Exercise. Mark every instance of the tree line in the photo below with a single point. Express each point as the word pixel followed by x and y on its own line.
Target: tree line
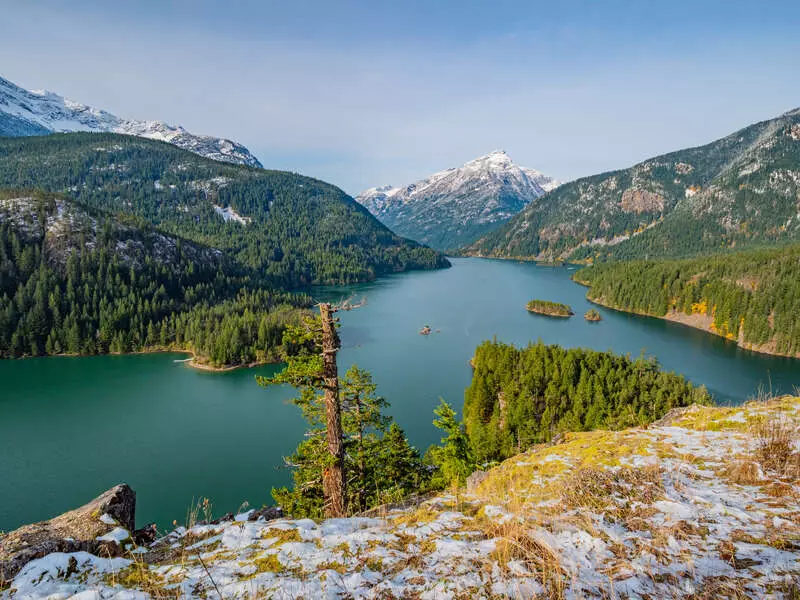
pixel 298 231
pixel 522 396
pixel 754 294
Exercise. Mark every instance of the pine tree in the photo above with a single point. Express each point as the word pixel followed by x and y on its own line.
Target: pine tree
pixel 454 459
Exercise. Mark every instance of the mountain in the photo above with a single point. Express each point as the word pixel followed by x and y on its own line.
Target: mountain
pixel 741 190
pixel 78 280
pixel 291 230
pixel 114 243
pixel 24 112
pixel 455 207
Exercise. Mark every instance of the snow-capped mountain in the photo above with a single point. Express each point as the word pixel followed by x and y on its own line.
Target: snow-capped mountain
pixel 455 207
pixel 24 112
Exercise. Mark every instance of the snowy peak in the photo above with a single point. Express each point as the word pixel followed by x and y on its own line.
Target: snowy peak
pixel 25 112
pixel 449 208
pixel 497 159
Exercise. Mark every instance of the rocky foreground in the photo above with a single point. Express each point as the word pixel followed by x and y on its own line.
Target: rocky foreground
pixel 703 504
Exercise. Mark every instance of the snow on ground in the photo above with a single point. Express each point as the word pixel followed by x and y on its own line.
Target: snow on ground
pixel 657 512
pixel 228 214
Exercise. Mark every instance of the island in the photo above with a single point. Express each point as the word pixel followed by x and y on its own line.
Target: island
pixel 549 309
pixel 592 315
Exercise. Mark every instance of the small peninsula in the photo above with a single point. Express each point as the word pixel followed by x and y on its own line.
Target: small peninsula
pixel 549 309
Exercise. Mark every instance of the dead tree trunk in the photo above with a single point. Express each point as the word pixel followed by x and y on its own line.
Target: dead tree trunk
pixel 333 485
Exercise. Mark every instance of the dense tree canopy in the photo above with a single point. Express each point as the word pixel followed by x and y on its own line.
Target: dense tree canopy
pixel 294 230
pixel 753 296
pixel 125 244
pixel 519 397
pixel 113 288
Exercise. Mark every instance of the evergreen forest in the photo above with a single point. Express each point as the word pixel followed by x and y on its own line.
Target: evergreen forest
pixel 751 296
pixel 523 396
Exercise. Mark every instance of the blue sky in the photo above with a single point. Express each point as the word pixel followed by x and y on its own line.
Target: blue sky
pixel 369 93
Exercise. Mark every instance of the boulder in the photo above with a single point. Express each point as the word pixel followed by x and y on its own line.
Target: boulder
pixel 99 527
pixel 146 535
pixel 268 513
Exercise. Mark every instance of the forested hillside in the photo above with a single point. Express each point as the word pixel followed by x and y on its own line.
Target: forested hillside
pixel 522 396
pixel 294 230
pixel 78 281
pixel 752 297
pixel 741 190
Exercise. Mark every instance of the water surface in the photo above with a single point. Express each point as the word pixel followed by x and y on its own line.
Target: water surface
pixel 73 427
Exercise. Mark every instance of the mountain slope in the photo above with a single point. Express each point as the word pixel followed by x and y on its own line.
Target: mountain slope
pixel 77 280
pixel 751 297
pixel 292 230
pixel 739 190
pixel 24 112
pixel 455 207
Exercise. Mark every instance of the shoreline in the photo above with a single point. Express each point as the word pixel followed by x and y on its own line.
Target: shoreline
pixel 686 320
pixel 189 362
pixel 532 259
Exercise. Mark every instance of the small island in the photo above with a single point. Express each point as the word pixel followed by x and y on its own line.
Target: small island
pixel 549 309
pixel 592 315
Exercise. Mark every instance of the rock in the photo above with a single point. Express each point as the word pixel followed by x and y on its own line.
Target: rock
pixel 269 513
pixel 227 517
pixel 639 201
pixel 474 480
pixel 94 527
pixel 146 535
pixel 675 414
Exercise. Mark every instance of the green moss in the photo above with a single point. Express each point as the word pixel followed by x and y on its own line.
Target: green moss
pixel 269 563
pixel 282 536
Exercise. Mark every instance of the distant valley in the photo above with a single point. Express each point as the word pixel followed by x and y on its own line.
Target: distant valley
pixel 115 243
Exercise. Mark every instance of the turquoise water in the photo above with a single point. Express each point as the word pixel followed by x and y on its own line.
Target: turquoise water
pixel 73 427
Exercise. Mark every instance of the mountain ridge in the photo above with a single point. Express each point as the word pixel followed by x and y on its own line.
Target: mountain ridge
pixel 293 230
pixel 39 112
pixel 736 191
pixel 452 207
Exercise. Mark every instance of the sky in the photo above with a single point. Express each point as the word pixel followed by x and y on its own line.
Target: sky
pixel 366 93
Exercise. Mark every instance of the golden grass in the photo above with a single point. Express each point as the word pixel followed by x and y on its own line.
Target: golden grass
pixel 514 542
pixel 141 577
pixel 775 439
pixel 282 535
pixel 744 472
pixel 597 489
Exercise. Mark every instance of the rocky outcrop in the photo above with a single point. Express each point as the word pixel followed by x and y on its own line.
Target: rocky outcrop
pixel 640 201
pixel 98 527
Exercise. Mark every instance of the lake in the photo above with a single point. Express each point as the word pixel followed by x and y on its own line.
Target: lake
pixel 72 427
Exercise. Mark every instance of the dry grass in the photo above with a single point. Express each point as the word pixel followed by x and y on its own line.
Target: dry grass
pixel 141 577
pixel 721 588
pixel 744 472
pixel 597 489
pixel 775 440
pixel 514 542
